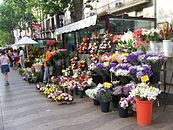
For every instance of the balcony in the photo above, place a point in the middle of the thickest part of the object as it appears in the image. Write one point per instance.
(119, 6)
(122, 5)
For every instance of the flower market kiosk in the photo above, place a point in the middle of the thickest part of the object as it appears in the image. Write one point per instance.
(113, 64)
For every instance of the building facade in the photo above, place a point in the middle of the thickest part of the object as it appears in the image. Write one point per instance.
(134, 8)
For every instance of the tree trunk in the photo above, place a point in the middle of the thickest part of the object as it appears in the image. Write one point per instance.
(12, 37)
(77, 11)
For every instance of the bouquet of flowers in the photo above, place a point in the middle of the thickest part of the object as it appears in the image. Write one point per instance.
(83, 47)
(54, 94)
(93, 92)
(64, 97)
(152, 34)
(74, 63)
(124, 103)
(145, 92)
(105, 46)
(104, 95)
(127, 43)
(166, 29)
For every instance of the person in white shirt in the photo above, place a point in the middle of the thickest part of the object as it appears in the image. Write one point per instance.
(21, 57)
(4, 64)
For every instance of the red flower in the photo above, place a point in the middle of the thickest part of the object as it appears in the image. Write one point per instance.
(138, 33)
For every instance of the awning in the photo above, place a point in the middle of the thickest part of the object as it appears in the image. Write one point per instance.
(77, 25)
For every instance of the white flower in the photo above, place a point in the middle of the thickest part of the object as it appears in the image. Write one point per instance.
(127, 36)
(92, 66)
(153, 58)
(90, 81)
(144, 91)
(121, 72)
(124, 104)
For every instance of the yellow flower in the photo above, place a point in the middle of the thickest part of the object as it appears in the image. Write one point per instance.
(106, 64)
(114, 55)
(107, 85)
(63, 71)
(52, 77)
(125, 54)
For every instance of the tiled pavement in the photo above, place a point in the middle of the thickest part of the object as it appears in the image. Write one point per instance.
(23, 108)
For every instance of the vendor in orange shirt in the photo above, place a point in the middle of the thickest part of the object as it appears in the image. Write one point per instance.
(49, 54)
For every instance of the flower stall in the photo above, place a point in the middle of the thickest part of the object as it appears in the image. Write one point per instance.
(115, 71)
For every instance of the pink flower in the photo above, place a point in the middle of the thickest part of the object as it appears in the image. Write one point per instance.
(116, 38)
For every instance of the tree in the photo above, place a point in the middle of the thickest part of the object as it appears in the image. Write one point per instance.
(5, 38)
(76, 7)
(16, 14)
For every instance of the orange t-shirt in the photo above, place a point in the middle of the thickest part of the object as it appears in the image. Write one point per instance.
(48, 56)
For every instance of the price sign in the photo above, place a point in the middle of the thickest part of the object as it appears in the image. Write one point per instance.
(106, 64)
(144, 78)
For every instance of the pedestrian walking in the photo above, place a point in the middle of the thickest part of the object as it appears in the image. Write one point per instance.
(4, 64)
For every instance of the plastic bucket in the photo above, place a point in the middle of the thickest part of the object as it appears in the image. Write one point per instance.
(144, 112)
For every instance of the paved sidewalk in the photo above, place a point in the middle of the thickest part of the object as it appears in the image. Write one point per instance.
(23, 108)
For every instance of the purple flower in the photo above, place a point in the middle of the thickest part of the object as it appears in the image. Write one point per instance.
(133, 69)
(112, 65)
(123, 66)
(133, 57)
(128, 87)
(146, 71)
(102, 67)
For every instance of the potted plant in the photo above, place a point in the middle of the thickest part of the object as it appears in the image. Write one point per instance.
(144, 96)
(156, 63)
(167, 43)
(92, 94)
(152, 35)
(104, 96)
(123, 107)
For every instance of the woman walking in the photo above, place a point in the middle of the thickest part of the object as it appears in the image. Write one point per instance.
(4, 64)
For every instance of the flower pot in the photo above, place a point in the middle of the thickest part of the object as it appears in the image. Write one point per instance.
(96, 102)
(167, 48)
(144, 112)
(123, 112)
(154, 47)
(81, 93)
(105, 106)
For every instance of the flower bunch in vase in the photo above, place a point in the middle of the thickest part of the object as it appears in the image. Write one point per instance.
(74, 63)
(82, 65)
(83, 47)
(144, 96)
(145, 92)
(105, 45)
(140, 39)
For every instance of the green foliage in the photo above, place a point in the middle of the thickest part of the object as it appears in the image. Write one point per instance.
(5, 38)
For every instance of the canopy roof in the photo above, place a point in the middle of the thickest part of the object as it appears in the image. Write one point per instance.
(78, 25)
(25, 41)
